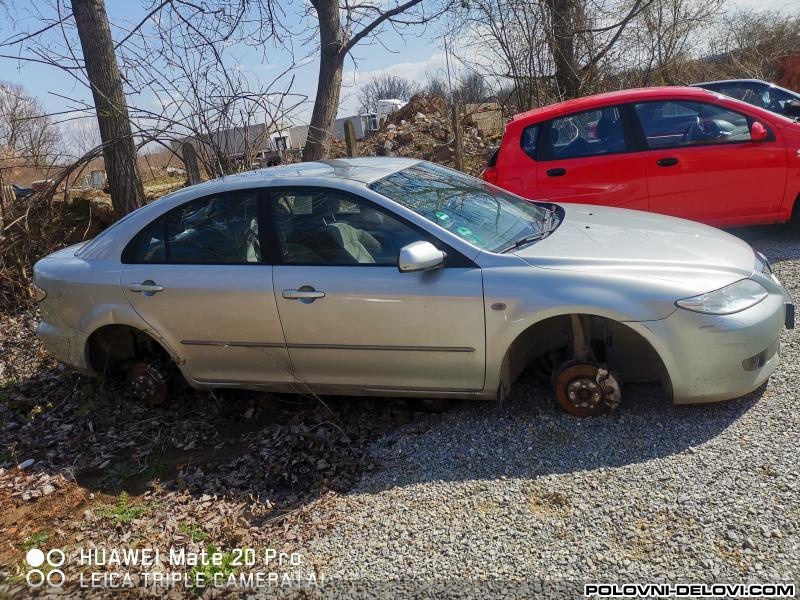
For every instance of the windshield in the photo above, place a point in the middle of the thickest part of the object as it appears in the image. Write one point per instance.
(475, 211)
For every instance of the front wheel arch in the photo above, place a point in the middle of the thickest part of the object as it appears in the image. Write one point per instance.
(625, 350)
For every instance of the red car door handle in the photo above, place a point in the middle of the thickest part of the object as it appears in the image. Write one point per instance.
(667, 162)
(556, 172)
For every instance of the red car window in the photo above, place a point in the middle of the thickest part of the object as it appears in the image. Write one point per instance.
(672, 124)
(589, 133)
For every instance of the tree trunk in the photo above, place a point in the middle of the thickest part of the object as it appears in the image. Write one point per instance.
(119, 151)
(562, 47)
(329, 84)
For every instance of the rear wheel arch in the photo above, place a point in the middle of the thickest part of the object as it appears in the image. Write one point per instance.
(114, 348)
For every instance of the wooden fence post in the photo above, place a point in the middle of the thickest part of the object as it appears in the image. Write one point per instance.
(190, 161)
(350, 138)
(458, 140)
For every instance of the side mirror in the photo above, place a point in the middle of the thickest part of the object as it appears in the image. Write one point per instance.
(758, 132)
(420, 256)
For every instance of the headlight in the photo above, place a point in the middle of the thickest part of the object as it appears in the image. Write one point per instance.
(730, 299)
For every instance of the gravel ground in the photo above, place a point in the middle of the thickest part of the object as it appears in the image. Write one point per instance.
(528, 501)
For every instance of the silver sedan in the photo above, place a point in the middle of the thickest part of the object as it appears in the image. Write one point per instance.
(395, 277)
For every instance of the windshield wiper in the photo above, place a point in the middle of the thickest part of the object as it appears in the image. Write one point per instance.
(524, 241)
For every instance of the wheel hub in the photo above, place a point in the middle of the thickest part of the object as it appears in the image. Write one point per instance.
(148, 382)
(584, 392)
(586, 389)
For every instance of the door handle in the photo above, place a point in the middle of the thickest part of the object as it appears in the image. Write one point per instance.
(556, 172)
(148, 287)
(304, 293)
(667, 162)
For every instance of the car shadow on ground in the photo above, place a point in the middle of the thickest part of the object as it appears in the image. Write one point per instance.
(530, 437)
(289, 450)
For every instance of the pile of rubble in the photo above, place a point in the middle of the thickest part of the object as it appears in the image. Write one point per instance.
(423, 129)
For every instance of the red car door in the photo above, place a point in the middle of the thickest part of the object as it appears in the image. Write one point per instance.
(587, 157)
(702, 164)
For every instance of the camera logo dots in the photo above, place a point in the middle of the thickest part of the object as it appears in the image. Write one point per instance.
(36, 558)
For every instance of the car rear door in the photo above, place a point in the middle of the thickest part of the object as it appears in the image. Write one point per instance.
(197, 276)
(589, 157)
(351, 319)
(702, 165)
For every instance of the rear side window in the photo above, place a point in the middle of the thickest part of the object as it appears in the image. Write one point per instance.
(220, 229)
(530, 136)
(589, 133)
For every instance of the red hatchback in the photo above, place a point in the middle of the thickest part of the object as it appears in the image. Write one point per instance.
(678, 151)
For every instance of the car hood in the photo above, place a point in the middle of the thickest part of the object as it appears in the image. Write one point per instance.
(643, 245)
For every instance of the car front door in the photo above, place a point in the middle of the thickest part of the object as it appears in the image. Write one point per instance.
(587, 157)
(702, 165)
(197, 277)
(351, 319)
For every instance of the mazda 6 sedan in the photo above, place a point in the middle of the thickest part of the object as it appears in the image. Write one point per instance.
(396, 277)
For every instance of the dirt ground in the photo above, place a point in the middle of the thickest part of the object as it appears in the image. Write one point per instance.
(83, 465)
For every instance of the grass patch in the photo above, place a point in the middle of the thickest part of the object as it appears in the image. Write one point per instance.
(122, 511)
(208, 571)
(35, 540)
(193, 530)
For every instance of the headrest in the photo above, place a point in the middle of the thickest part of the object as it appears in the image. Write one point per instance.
(323, 205)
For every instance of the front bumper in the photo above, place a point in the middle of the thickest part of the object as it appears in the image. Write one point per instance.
(719, 357)
(65, 344)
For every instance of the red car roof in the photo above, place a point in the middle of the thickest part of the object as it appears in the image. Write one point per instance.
(589, 102)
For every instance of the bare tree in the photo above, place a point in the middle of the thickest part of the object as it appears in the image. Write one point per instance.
(471, 87)
(748, 44)
(102, 71)
(81, 135)
(664, 38)
(26, 132)
(341, 27)
(228, 114)
(385, 87)
(549, 49)
(437, 85)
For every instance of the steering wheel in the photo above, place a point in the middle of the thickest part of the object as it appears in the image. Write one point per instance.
(702, 131)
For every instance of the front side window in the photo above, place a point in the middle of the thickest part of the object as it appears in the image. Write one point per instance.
(475, 211)
(220, 229)
(327, 227)
(672, 124)
(587, 134)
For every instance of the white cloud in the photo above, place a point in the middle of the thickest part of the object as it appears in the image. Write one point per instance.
(352, 80)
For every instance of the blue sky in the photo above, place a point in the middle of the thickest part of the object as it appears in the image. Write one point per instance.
(412, 56)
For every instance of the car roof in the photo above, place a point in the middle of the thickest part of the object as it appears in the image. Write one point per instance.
(364, 170)
(722, 81)
(608, 98)
(755, 81)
